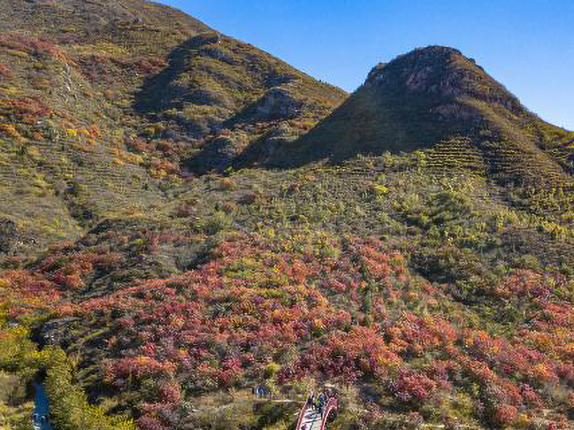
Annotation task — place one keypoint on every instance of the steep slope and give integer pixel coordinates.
(435, 98)
(225, 95)
(142, 64)
(68, 72)
(105, 106)
(125, 22)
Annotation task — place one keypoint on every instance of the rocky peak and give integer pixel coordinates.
(442, 72)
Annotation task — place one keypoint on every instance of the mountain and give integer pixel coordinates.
(226, 95)
(100, 100)
(437, 100)
(411, 248)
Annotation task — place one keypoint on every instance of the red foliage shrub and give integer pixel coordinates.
(23, 293)
(147, 422)
(298, 303)
(413, 387)
(5, 72)
(27, 109)
(149, 66)
(139, 145)
(505, 414)
(32, 46)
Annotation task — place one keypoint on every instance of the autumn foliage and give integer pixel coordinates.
(258, 301)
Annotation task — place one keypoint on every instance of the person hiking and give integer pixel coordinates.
(317, 404)
(310, 399)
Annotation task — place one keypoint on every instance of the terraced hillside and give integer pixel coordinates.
(143, 65)
(414, 251)
(437, 100)
(99, 100)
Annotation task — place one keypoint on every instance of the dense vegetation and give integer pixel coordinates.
(434, 297)
(100, 100)
(151, 273)
(435, 98)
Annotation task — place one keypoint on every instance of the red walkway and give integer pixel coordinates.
(310, 419)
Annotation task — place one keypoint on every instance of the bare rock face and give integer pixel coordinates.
(376, 76)
(454, 111)
(443, 74)
(278, 103)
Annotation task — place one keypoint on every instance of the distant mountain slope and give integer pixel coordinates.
(435, 98)
(137, 92)
(226, 94)
(149, 56)
(88, 20)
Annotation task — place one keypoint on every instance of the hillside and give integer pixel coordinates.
(412, 247)
(101, 100)
(436, 99)
(427, 300)
(229, 96)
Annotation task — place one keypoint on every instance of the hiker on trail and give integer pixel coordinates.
(258, 391)
(311, 400)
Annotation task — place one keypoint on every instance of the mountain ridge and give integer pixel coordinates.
(433, 95)
(74, 77)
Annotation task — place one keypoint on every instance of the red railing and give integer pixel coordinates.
(332, 405)
(301, 416)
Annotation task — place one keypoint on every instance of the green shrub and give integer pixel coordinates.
(69, 406)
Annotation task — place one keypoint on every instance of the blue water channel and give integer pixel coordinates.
(40, 417)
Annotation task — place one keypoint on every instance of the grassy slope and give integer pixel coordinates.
(76, 136)
(437, 96)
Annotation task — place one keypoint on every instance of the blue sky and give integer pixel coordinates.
(528, 45)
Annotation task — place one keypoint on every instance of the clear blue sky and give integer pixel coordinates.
(528, 45)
